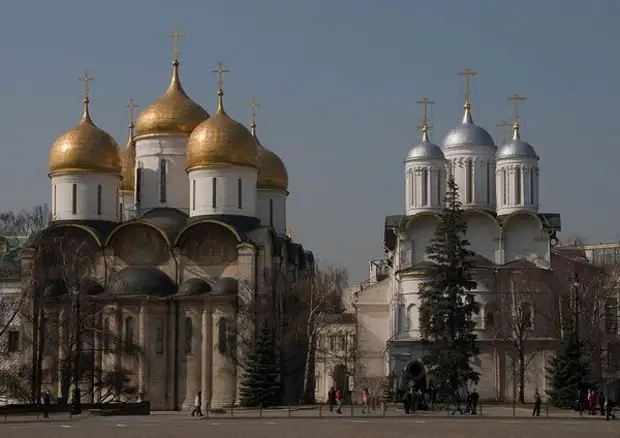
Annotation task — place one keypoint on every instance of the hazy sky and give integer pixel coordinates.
(338, 81)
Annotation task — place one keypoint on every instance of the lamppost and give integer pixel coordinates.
(576, 286)
(76, 406)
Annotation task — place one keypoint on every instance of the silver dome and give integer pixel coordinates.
(426, 149)
(515, 147)
(468, 134)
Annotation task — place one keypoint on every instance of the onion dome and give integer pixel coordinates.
(516, 148)
(172, 113)
(426, 149)
(85, 148)
(128, 163)
(221, 142)
(467, 133)
(272, 174)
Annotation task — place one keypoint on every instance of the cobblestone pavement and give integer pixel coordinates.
(171, 425)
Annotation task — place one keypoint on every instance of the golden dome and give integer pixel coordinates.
(172, 113)
(85, 148)
(128, 163)
(221, 141)
(272, 172)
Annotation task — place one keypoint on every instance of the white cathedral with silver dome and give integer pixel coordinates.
(499, 190)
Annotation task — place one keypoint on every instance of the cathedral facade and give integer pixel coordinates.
(499, 189)
(166, 237)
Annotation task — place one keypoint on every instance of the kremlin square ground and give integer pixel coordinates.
(186, 427)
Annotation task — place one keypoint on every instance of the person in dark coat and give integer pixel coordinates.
(601, 402)
(331, 399)
(46, 404)
(609, 408)
(537, 404)
(474, 398)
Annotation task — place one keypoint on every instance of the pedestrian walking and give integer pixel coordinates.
(365, 401)
(331, 398)
(537, 403)
(197, 405)
(339, 401)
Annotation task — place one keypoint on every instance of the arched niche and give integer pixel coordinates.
(140, 243)
(65, 254)
(483, 232)
(524, 237)
(209, 243)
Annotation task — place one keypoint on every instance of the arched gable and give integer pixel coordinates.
(420, 229)
(140, 242)
(483, 233)
(422, 215)
(209, 242)
(473, 211)
(514, 215)
(57, 228)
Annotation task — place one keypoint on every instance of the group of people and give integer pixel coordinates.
(597, 402)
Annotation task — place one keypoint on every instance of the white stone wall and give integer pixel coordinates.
(480, 176)
(96, 196)
(149, 153)
(425, 186)
(517, 185)
(128, 200)
(227, 191)
(271, 209)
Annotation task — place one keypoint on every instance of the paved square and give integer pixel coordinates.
(336, 427)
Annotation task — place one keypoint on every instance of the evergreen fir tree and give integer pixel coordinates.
(261, 373)
(447, 303)
(568, 371)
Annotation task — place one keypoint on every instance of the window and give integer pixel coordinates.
(214, 194)
(99, 199)
(105, 341)
(163, 165)
(120, 209)
(239, 193)
(222, 336)
(611, 317)
(332, 343)
(527, 316)
(13, 341)
(271, 213)
(74, 198)
(489, 320)
(424, 187)
(342, 342)
(159, 336)
(129, 334)
(410, 181)
(410, 312)
(189, 335)
(532, 186)
(504, 187)
(518, 200)
(54, 201)
(194, 194)
(139, 183)
(439, 185)
(489, 182)
(470, 181)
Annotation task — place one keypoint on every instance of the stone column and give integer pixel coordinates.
(143, 350)
(98, 346)
(207, 355)
(62, 350)
(224, 377)
(248, 291)
(193, 376)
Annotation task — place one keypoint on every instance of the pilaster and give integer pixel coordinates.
(143, 351)
(207, 355)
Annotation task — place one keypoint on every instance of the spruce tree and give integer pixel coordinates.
(447, 302)
(261, 373)
(568, 371)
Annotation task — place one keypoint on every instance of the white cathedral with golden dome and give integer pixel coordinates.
(161, 239)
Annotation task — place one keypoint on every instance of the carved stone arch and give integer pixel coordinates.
(209, 242)
(517, 214)
(477, 212)
(418, 216)
(140, 242)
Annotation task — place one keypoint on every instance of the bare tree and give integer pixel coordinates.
(522, 303)
(320, 295)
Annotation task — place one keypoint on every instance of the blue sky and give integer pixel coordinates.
(338, 81)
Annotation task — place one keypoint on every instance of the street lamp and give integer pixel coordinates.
(76, 406)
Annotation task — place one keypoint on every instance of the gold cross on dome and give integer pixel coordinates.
(176, 35)
(86, 79)
(425, 102)
(220, 74)
(516, 98)
(468, 73)
(254, 105)
(131, 105)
